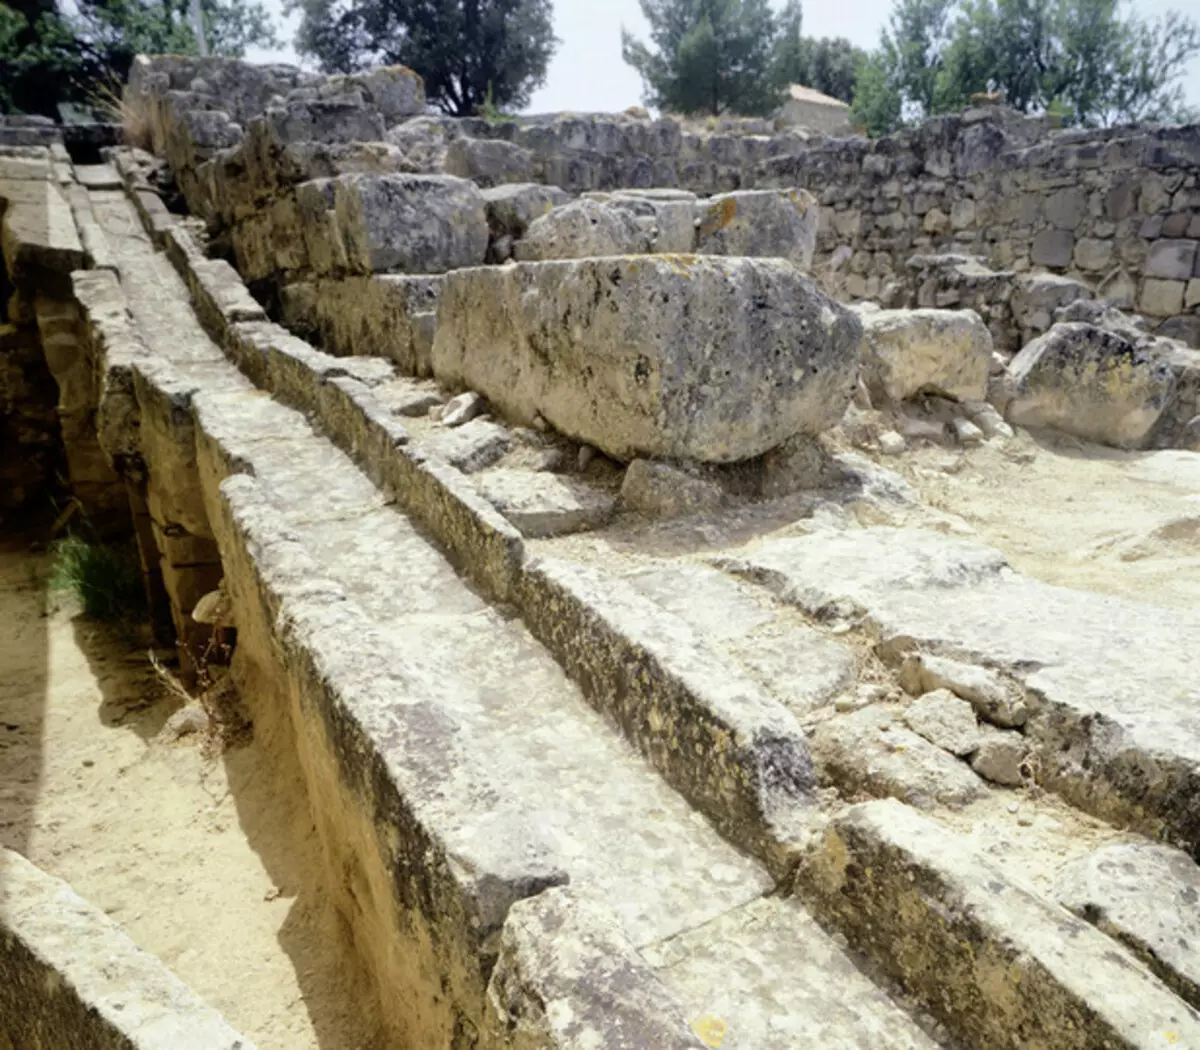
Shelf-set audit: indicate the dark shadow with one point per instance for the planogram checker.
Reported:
(24, 680)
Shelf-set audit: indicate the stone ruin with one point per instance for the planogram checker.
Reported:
(534, 466)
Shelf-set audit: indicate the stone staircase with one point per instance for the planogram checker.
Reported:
(641, 787)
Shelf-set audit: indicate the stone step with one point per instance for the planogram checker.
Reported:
(1148, 897)
(522, 781)
(1111, 685)
(736, 753)
(765, 976)
(72, 977)
(999, 965)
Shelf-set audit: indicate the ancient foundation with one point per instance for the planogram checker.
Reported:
(536, 470)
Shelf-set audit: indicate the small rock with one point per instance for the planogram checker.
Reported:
(419, 403)
(991, 697)
(462, 409)
(550, 459)
(891, 443)
(999, 758)
(943, 719)
(987, 419)
(586, 455)
(185, 721)
(951, 464)
(923, 429)
(660, 490)
(966, 432)
(542, 505)
(472, 446)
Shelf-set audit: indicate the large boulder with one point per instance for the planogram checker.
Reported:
(907, 352)
(583, 229)
(1088, 382)
(672, 357)
(781, 223)
(401, 223)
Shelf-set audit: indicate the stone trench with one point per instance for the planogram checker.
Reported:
(538, 472)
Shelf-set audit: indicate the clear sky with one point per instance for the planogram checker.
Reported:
(587, 72)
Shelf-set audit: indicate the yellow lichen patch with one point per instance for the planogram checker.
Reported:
(719, 216)
(710, 1030)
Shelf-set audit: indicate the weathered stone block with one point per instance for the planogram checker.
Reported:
(780, 223)
(1161, 298)
(1093, 255)
(582, 229)
(909, 351)
(488, 162)
(1053, 248)
(1173, 260)
(666, 357)
(1088, 382)
(511, 208)
(405, 223)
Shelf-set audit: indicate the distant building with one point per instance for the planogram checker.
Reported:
(808, 108)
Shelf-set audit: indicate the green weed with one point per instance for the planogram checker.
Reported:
(107, 578)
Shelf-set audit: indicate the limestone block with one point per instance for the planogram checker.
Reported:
(470, 447)
(1161, 298)
(945, 720)
(1191, 294)
(395, 91)
(1036, 298)
(660, 490)
(511, 208)
(326, 120)
(1065, 208)
(1088, 382)
(582, 229)
(909, 351)
(404, 223)
(672, 213)
(671, 357)
(870, 750)
(994, 700)
(1144, 895)
(1000, 756)
(37, 236)
(72, 977)
(779, 223)
(1093, 254)
(488, 162)
(541, 504)
(1173, 260)
(962, 214)
(1053, 248)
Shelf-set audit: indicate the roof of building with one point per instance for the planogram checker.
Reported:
(800, 93)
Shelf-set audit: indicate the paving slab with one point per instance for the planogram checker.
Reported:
(1115, 684)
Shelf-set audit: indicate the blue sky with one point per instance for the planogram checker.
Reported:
(587, 72)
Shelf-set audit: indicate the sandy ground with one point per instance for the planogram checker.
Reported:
(1081, 516)
(203, 861)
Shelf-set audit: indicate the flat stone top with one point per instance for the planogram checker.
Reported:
(1138, 665)
(95, 962)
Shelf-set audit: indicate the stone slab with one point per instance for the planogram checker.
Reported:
(1112, 684)
(660, 356)
(70, 977)
(765, 976)
(542, 504)
(998, 964)
(1148, 897)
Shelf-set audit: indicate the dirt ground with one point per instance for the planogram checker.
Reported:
(1073, 514)
(206, 862)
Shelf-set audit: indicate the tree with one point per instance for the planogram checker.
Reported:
(48, 56)
(706, 56)
(1082, 59)
(469, 52)
(829, 64)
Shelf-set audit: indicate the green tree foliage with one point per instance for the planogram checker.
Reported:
(49, 55)
(469, 52)
(829, 64)
(1087, 60)
(707, 56)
